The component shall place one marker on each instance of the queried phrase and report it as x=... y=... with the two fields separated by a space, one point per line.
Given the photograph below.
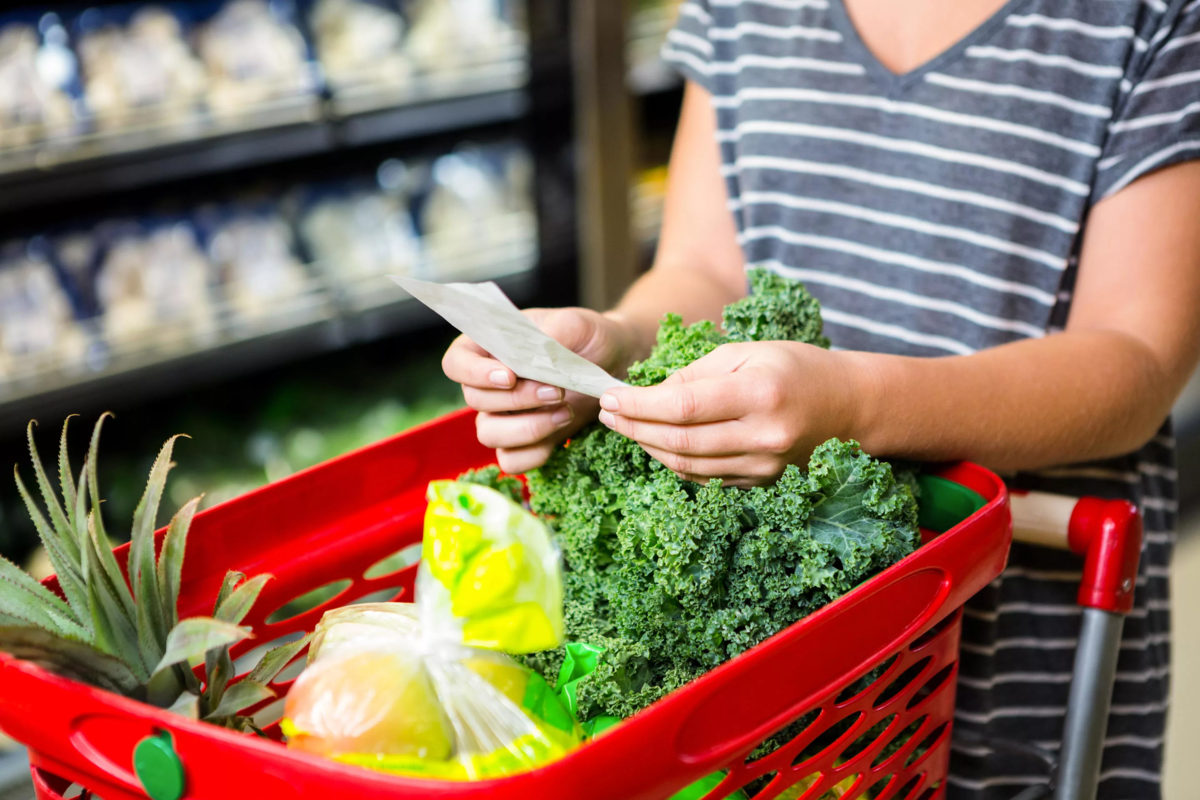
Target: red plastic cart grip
x=1108 y=534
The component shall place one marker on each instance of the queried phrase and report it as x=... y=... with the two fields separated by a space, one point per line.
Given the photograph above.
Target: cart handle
x=1108 y=534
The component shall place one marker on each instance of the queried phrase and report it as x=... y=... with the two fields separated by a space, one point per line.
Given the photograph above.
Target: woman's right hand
x=522 y=419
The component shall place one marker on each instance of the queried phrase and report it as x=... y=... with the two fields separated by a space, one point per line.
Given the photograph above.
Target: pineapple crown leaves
x=126 y=636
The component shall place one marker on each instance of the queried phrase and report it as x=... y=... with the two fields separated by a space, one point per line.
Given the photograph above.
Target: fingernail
x=608 y=419
x=609 y=403
x=500 y=378
x=550 y=393
x=562 y=416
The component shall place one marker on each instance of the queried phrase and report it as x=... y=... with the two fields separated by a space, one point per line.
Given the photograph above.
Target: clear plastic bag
x=400 y=687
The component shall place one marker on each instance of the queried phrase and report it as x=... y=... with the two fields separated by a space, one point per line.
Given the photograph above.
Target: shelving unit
x=523 y=90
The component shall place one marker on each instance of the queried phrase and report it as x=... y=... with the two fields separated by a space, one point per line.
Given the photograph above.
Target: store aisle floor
x=1183 y=727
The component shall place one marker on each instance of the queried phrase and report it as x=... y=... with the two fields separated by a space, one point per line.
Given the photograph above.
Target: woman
x=997 y=205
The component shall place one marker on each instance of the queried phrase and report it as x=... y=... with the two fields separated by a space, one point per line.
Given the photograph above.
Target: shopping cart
x=857 y=698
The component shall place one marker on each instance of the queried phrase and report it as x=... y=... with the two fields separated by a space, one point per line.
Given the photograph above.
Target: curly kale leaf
x=672 y=578
x=777 y=309
x=493 y=478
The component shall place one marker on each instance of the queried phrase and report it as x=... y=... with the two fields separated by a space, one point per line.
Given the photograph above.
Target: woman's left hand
x=743 y=412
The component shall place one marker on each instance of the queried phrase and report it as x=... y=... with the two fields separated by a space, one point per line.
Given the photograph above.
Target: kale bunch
x=673 y=578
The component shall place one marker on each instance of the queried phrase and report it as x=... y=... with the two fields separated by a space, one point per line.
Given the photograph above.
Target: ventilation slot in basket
x=865 y=682
x=900 y=684
x=249 y=659
x=908 y=788
x=929 y=793
x=782 y=737
x=925 y=744
x=868 y=738
x=826 y=738
x=930 y=686
x=397 y=561
x=895 y=744
x=934 y=632
x=308 y=601
x=386 y=595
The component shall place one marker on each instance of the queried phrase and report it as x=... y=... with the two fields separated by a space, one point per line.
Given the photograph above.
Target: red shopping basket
x=864 y=687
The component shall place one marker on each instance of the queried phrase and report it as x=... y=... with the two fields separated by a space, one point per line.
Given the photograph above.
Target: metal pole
x=1087 y=706
x=604 y=136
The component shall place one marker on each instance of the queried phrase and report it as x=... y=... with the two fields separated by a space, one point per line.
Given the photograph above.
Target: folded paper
x=483 y=312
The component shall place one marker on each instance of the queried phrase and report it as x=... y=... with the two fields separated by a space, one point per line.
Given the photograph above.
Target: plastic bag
x=399 y=686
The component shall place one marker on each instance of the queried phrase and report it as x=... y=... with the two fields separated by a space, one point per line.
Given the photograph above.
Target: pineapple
x=129 y=641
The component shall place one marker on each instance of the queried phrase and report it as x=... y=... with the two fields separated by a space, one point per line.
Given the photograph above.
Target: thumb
x=575 y=329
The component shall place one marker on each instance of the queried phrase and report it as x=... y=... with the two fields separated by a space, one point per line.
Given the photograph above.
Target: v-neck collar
x=894 y=82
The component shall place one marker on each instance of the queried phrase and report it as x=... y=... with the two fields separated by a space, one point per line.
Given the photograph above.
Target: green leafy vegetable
x=673 y=578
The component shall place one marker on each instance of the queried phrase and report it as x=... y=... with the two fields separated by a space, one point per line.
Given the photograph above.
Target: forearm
x=1066 y=398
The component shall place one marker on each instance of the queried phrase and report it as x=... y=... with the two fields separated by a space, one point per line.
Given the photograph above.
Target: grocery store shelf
x=103 y=164
x=326 y=319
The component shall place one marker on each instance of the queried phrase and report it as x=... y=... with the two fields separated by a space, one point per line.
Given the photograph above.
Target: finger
x=524 y=429
x=743 y=471
x=514 y=461
x=727 y=438
x=524 y=396
x=467 y=363
x=710 y=400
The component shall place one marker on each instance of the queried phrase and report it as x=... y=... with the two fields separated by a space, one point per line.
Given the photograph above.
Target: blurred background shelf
x=114 y=163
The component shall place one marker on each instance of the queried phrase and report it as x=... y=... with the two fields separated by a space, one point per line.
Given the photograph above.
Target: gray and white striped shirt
x=939 y=212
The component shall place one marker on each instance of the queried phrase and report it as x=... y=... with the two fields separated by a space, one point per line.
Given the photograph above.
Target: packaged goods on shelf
x=649 y=23
x=360 y=233
x=258 y=272
x=153 y=287
x=254 y=54
x=138 y=69
x=39 y=328
x=479 y=210
x=360 y=42
x=39 y=79
x=450 y=35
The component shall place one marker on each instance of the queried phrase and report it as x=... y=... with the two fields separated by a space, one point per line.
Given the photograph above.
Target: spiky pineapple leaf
x=113 y=632
x=143 y=574
x=23 y=598
x=240 y=696
x=104 y=564
x=238 y=603
x=218 y=672
x=194 y=637
x=164 y=688
x=58 y=517
x=72 y=659
x=66 y=567
x=276 y=659
x=67 y=480
x=94 y=484
x=170 y=560
x=228 y=584
x=188 y=705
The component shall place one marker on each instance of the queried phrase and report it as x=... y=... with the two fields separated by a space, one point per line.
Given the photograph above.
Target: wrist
x=866 y=386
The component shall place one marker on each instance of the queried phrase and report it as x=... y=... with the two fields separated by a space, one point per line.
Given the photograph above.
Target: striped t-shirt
x=939 y=212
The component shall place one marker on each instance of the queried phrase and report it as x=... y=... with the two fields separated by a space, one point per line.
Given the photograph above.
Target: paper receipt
x=483 y=312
